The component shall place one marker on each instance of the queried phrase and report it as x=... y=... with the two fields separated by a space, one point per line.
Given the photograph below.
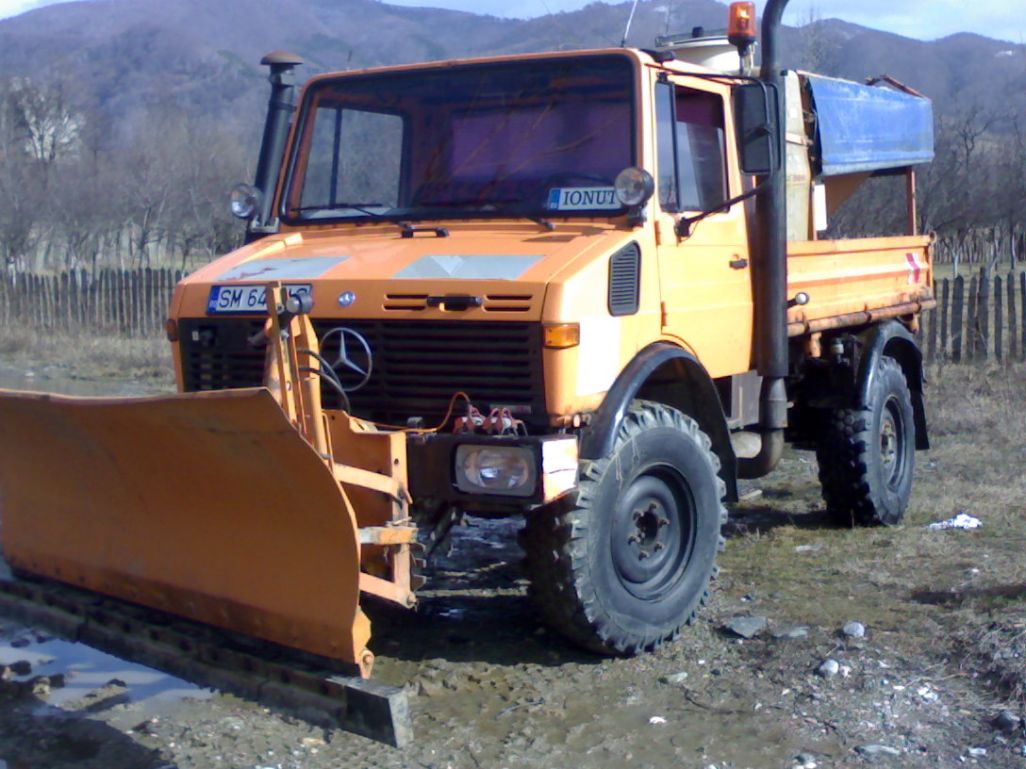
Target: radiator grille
x=418 y=365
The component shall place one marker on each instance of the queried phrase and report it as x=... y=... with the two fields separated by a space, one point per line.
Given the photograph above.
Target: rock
x=429 y=688
x=40 y=686
x=745 y=627
x=20 y=643
x=872 y=751
x=675 y=679
x=21 y=667
x=828 y=668
x=853 y=630
x=808 y=548
x=805 y=761
x=6 y=674
x=789 y=632
x=977 y=752
x=1006 y=721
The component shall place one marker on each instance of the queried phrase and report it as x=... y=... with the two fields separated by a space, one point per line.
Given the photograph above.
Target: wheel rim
x=653 y=533
x=892 y=442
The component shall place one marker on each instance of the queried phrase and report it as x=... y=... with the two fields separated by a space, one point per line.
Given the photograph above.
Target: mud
x=491 y=687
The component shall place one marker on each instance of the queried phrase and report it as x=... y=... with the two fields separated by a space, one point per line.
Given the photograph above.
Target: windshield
x=532 y=138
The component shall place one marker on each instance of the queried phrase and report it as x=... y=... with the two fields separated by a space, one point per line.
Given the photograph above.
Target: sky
x=924 y=19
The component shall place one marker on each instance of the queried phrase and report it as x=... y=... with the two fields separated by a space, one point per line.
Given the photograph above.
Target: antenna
x=627 y=29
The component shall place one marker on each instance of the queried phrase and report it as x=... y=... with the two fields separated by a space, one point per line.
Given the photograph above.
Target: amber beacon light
x=741 y=24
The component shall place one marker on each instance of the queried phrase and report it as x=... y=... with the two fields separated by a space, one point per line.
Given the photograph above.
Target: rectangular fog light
x=490 y=469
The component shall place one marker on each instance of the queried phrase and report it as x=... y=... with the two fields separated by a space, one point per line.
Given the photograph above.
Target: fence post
x=983 y=314
x=1013 y=338
x=931 y=337
x=957 y=304
x=972 y=320
x=945 y=297
x=999 y=321
x=1022 y=307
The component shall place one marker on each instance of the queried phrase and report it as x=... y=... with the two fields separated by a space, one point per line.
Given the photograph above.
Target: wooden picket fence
x=976 y=320
x=127 y=302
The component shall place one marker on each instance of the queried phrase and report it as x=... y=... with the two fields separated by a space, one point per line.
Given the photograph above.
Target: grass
x=89 y=356
x=960 y=595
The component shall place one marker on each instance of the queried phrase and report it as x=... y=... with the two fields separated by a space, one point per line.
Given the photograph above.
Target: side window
x=695 y=137
x=666 y=181
x=355 y=157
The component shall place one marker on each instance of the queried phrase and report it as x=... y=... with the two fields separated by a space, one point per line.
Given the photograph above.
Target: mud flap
x=206 y=505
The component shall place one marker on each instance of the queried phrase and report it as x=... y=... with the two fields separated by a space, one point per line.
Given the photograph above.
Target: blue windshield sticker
x=582 y=199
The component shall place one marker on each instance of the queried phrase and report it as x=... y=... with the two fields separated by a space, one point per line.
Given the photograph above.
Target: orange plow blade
x=207 y=505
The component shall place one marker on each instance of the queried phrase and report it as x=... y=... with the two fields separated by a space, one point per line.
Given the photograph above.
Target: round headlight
x=634 y=186
x=245 y=200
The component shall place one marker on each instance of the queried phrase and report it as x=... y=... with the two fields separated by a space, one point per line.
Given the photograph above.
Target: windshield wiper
x=500 y=206
x=363 y=208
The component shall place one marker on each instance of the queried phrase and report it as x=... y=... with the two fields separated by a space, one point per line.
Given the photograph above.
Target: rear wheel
x=867 y=456
x=624 y=566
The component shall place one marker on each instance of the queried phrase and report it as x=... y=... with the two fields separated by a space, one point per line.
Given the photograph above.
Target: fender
x=670 y=375
x=893 y=339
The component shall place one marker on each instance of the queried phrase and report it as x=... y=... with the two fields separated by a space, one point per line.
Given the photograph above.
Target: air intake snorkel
x=279 y=113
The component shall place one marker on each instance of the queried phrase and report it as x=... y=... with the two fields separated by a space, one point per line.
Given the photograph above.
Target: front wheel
x=623 y=567
x=867 y=456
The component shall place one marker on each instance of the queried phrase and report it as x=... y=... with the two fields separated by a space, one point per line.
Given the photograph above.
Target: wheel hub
x=649 y=528
x=651 y=536
x=890 y=442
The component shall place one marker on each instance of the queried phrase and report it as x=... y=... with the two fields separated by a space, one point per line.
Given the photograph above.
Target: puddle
x=86 y=669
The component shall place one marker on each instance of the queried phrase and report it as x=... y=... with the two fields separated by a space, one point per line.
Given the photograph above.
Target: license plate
x=247 y=299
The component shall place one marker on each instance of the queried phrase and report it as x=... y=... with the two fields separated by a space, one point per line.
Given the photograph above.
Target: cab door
x=704 y=268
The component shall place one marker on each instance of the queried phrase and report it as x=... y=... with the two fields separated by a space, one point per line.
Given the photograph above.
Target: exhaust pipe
x=771 y=272
x=279 y=113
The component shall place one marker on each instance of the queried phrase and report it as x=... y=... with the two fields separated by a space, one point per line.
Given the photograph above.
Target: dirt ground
x=942 y=655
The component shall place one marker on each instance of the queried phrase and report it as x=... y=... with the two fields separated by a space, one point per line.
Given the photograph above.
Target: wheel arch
x=670 y=375
x=895 y=341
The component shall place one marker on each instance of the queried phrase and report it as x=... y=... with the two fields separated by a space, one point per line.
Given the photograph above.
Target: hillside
x=203 y=56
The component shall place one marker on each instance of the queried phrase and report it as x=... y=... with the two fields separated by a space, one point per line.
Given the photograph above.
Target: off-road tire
x=867 y=456
x=660 y=483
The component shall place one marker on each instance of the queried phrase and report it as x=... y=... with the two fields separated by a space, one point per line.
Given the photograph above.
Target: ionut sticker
x=582 y=198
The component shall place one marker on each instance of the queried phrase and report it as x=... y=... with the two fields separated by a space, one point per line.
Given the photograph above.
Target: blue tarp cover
x=869 y=128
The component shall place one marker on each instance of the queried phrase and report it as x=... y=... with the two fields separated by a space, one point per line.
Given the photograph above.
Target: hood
x=493 y=269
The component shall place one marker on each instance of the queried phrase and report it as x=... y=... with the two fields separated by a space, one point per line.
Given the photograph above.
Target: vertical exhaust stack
x=771 y=271
x=279 y=112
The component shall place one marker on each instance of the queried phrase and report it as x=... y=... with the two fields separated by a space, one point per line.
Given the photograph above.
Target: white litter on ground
x=961 y=521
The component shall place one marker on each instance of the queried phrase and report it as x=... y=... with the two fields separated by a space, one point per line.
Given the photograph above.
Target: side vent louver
x=624 y=280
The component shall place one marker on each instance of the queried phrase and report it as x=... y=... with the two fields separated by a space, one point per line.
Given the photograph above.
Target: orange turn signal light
x=559 y=336
x=741 y=23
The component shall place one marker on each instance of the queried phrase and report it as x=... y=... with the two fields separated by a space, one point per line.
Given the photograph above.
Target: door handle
x=738 y=264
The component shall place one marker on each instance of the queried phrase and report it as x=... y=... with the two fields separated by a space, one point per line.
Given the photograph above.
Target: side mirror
x=755 y=121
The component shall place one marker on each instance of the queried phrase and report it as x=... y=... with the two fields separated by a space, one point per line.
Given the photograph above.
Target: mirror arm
x=683 y=226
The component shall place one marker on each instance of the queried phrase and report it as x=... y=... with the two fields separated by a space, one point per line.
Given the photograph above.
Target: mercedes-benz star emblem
x=349 y=356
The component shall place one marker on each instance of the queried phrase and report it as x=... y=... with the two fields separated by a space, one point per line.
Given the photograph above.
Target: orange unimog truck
x=585 y=288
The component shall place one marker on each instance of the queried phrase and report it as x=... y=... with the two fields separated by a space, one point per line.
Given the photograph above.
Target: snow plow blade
x=211 y=506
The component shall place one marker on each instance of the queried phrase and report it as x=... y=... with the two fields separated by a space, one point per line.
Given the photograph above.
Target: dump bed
x=855 y=281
